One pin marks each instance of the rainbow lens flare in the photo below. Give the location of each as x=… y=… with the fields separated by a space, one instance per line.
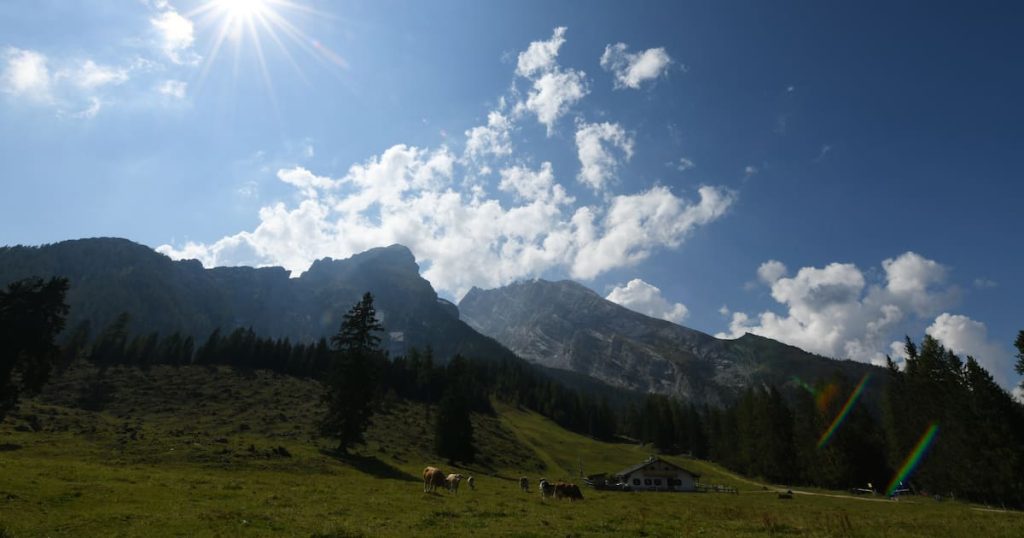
x=845 y=412
x=915 y=457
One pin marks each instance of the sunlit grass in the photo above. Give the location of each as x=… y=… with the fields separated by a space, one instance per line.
x=196 y=452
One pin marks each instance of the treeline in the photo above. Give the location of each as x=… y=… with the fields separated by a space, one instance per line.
x=417 y=375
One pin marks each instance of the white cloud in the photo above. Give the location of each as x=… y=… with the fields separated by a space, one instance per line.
x=92 y=75
x=685 y=164
x=647 y=299
x=750 y=171
x=26 y=74
x=598 y=165
x=835 y=312
x=534 y=186
x=491 y=139
x=724 y=310
x=965 y=336
x=771 y=271
x=175 y=89
x=541 y=56
x=308 y=183
x=554 y=89
x=407 y=196
x=176 y=35
x=635 y=224
x=554 y=93
x=438 y=205
x=632 y=69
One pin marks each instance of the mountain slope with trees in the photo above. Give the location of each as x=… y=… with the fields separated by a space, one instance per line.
x=109 y=277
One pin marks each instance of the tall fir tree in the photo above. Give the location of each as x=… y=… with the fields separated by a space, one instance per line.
x=353 y=380
x=453 y=433
x=32 y=313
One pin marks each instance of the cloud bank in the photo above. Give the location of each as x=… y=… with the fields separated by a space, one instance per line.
x=484 y=216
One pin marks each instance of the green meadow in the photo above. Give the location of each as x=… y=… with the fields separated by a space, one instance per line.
x=196 y=451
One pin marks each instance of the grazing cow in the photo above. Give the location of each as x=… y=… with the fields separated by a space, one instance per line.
x=524 y=484
x=452 y=481
x=547 y=489
x=471 y=482
x=568 y=491
x=433 y=478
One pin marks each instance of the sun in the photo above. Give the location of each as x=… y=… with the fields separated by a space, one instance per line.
x=249 y=26
x=242 y=9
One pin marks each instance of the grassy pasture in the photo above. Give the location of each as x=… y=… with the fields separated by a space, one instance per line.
x=211 y=452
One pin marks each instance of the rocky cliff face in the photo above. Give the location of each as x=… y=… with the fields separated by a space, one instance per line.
x=109 y=276
x=566 y=325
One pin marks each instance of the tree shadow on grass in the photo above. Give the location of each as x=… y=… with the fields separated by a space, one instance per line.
x=370 y=465
x=8 y=447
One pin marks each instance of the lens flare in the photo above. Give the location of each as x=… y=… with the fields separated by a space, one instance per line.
x=823 y=398
x=915 y=457
x=841 y=417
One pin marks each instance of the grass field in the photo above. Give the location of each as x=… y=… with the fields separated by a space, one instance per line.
x=211 y=452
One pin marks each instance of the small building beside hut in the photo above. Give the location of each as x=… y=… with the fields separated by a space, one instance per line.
x=656 y=474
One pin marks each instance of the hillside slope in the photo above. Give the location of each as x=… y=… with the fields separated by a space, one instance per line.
x=567 y=326
x=215 y=452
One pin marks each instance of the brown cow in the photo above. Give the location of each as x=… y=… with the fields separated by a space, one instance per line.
x=568 y=491
x=524 y=484
x=433 y=478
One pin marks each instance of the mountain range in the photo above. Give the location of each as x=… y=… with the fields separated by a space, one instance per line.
x=570 y=330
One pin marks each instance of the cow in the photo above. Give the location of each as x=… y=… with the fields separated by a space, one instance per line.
x=452 y=481
x=568 y=491
x=547 y=489
x=524 y=484
x=433 y=478
x=471 y=482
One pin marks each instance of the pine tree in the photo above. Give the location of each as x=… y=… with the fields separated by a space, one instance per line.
x=453 y=433
x=32 y=313
x=352 y=383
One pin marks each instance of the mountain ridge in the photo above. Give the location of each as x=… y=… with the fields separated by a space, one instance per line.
x=567 y=326
x=109 y=276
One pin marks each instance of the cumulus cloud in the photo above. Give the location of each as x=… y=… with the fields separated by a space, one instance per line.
x=461 y=233
x=554 y=89
x=632 y=69
x=553 y=94
x=26 y=74
x=407 y=195
x=491 y=139
x=965 y=336
x=541 y=56
x=835 y=311
x=647 y=299
x=771 y=271
x=636 y=224
x=593 y=144
x=175 y=34
x=534 y=186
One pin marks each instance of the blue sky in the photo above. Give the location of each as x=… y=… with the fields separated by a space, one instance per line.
x=831 y=176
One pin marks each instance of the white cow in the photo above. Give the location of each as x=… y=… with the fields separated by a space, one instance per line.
x=453 y=482
x=471 y=482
